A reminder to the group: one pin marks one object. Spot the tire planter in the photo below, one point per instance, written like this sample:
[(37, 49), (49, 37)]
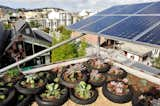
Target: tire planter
[(101, 70), (116, 98), (50, 77), (10, 100), (97, 84), (83, 101), (119, 76), (29, 91), (26, 101), (68, 84), (57, 102)]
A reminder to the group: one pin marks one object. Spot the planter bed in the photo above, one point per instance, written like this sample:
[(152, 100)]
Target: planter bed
[(71, 77), (53, 95), (117, 91), (96, 79), (30, 84), (116, 73), (150, 98), (7, 96), (97, 64), (83, 94)]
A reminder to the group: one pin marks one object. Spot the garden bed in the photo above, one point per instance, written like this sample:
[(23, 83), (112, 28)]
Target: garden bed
[(73, 75)]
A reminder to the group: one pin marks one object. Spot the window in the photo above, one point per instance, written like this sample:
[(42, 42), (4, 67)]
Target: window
[(27, 31)]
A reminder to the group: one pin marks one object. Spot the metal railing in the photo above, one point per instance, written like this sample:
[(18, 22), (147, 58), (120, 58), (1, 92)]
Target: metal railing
[(39, 53)]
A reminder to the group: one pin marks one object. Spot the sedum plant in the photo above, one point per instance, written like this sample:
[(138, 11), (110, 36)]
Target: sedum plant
[(83, 90), (52, 91)]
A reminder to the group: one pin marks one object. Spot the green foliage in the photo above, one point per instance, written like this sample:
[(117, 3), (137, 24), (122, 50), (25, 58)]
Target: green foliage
[(31, 80), (46, 30), (81, 50), (69, 50), (7, 26), (156, 62), (83, 90), (52, 89), (13, 72), (34, 24)]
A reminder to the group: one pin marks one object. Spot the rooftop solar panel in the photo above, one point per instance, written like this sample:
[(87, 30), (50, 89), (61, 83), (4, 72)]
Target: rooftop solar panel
[(133, 8), (84, 22), (96, 27), (112, 10), (131, 27), (154, 9), (152, 37)]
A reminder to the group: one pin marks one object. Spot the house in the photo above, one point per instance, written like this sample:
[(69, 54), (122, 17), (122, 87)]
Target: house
[(23, 41)]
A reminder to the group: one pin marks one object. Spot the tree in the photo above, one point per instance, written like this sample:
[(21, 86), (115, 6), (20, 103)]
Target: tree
[(34, 24), (69, 50), (7, 26), (156, 62)]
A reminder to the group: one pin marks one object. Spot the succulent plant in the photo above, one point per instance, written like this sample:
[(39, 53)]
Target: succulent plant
[(52, 90), (31, 79), (73, 71), (84, 90), (95, 75)]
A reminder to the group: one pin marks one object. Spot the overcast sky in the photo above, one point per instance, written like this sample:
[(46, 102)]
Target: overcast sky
[(72, 5)]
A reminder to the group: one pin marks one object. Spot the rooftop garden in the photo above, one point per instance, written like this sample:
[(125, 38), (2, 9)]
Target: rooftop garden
[(78, 82)]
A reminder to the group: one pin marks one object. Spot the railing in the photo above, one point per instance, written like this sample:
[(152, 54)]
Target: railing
[(39, 53)]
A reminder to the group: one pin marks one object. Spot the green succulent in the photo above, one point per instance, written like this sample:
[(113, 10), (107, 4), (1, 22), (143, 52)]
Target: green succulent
[(83, 90), (53, 89)]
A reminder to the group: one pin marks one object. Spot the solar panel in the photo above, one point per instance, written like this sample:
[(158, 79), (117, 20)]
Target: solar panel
[(84, 22), (112, 10), (154, 9), (132, 8), (152, 37), (107, 21), (131, 27)]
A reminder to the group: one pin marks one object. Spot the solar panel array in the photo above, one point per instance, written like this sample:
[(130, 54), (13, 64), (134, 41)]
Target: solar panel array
[(125, 22)]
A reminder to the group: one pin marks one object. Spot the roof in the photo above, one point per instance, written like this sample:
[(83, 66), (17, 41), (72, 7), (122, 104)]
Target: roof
[(138, 23), (42, 35), (19, 24), (130, 47)]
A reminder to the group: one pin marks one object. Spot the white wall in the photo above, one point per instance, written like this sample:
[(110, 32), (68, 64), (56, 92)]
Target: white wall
[(136, 57)]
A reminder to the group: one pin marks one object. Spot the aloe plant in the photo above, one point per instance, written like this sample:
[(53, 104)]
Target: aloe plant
[(52, 90), (83, 90)]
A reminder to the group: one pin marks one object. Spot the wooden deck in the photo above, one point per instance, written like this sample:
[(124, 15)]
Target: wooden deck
[(101, 101)]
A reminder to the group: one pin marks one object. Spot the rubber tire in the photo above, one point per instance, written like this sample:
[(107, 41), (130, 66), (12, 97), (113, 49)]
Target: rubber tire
[(29, 91), (10, 100), (119, 76), (101, 70), (68, 84), (97, 84), (26, 101), (116, 98), (59, 102), (81, 101)]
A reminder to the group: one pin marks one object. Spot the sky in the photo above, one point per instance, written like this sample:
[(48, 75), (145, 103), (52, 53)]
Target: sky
[(71, 5)]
